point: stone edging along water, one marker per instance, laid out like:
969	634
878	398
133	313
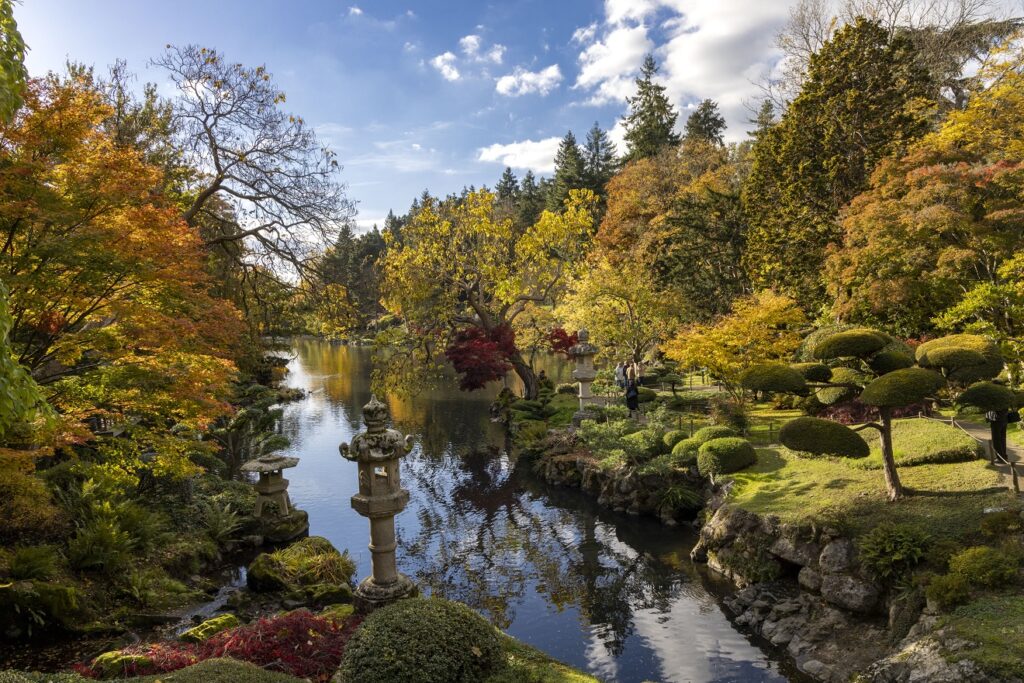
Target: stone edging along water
801	588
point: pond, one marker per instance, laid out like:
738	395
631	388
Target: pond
610	594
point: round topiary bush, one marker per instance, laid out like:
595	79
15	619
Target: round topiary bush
422	640
831	395
859	342
885	362
646	395
964	357
725	455
705	434
684	453
988	396
902	388
773	377
674	436
813	372
822	437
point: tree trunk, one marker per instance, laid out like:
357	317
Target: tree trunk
526	374
892	478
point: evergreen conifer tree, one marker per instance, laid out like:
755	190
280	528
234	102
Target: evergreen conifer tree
650	123
706	123
570	172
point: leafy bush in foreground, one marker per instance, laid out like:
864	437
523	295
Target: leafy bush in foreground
891	551
725	455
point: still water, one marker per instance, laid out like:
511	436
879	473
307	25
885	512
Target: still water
613	595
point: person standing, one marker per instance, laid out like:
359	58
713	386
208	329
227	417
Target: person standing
620	375
632	394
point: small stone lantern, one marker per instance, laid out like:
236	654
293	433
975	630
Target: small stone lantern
583	352
377	451
272	487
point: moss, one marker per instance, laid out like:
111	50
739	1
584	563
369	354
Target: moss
859	342
832	395
902	388
773	377
724	456
426	640
813	372
830	490
210	627
988	396
311	566
525	664
339	614
991	632
822	437
116	663
984	566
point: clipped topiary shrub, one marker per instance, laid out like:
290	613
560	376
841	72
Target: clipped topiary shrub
674	436
831	395
859	342
902	387
822	437
725	455
984	566
773	377
684	453
705	434
422	640
965	358
813	372
885	362
646	395
988	396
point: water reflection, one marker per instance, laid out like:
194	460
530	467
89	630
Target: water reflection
611	594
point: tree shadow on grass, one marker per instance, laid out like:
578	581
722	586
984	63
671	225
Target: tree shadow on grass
923	493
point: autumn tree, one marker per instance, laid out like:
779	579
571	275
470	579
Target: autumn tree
651	120
281	183
760	328
12	62
930	242
865	98
458	267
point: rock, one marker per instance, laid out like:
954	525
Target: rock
117	664
803	554
311	569
849	592
809	580
837	557
210	627
922	661
339	614
816	668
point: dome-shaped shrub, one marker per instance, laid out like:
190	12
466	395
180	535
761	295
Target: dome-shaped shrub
822	437
684	453
422	641
644	444
725	455
773	377
902	388
964	357
813	372
705	434
885	362
859	342
646	395
988	396
831	395
673	436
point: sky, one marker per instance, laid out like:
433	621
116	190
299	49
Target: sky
418	95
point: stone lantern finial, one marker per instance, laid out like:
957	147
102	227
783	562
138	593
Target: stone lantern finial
377	452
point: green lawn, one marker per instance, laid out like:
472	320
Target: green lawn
993	627
919	442
950	504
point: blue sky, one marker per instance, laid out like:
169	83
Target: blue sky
438	95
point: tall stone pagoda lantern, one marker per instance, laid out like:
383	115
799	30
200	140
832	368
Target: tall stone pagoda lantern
583	353
377	452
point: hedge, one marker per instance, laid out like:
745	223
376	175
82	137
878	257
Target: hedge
725	455
902	388
822	437
422	640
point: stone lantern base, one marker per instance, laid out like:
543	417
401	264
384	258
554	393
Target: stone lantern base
588	412
370	595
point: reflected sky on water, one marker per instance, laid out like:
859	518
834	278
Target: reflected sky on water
614	595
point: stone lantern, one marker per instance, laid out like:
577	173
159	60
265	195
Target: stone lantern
272	487
377	452
583	353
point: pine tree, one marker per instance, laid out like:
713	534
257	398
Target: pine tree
651	120
706	123
507	187
764	120
570	172
531	201
599	160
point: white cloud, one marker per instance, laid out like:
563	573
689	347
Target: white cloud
619	11
354	11
496	54
445	64
584	34
523	82
608	66
470	45
536	155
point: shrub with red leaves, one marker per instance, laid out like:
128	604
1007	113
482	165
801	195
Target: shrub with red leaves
561	341
480	356
297	643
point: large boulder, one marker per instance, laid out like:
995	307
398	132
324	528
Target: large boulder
849	593
838	556
311	569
